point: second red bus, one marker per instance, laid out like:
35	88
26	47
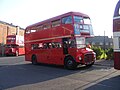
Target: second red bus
14	45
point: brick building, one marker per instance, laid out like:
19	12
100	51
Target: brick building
9	29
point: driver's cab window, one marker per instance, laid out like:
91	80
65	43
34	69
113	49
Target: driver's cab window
72	43
80	42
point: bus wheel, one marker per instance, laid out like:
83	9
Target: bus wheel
17	54
70	63
34	60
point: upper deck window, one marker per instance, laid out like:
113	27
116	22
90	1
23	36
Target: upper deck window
40	27
67	20
27	31
78	19
56	23
46	26
33	30
87	20
10	38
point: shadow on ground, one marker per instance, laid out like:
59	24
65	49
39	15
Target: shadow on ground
24	74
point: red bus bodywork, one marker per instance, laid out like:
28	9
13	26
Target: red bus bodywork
14	45
116	36
60	40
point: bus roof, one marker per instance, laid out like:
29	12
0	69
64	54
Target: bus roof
58	17
116	12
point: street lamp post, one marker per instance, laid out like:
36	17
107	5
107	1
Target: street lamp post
104	45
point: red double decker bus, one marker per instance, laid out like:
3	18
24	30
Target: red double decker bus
116	36
14	45
60	40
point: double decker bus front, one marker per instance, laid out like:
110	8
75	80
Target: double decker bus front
85	55
82	30
11	39
12	47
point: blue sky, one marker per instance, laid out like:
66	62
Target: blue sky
27	12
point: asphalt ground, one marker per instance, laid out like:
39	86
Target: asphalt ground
17	74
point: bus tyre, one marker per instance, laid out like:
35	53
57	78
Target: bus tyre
70	63
34	60
17	54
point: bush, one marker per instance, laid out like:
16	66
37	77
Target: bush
99	52
109	54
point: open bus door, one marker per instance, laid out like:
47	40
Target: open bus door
65	45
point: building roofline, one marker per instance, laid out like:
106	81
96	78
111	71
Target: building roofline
10	24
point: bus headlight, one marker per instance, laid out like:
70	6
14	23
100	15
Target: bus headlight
80	58
94	56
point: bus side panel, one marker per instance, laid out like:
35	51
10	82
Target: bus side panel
21	51
65	29
72	52
43	56
27	52
116	25
42	34
117	60
49	33
57	56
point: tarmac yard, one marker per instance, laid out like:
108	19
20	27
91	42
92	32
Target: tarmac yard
17	74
